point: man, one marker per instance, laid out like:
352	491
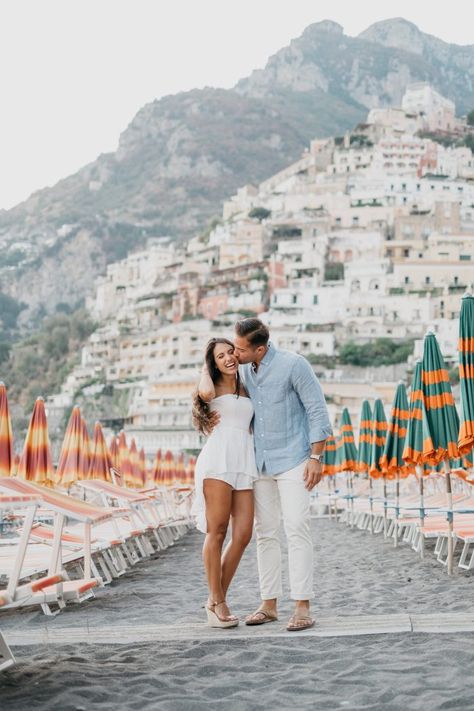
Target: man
291	425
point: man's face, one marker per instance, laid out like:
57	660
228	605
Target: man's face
244	351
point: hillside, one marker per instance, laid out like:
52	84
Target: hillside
182	154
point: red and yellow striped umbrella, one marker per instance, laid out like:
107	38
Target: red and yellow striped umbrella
168	468
330	457
72	458
466	374
377	442
441	414
157	469
180	469
101	461
86	448
35	462
365	437
190	471
124	461
392	462
6	435
142	465
116	475
346	449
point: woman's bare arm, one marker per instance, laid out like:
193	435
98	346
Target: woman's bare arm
206	387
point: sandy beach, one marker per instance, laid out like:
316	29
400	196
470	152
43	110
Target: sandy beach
188	666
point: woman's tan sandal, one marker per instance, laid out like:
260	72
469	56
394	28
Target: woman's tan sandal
260	618
215	620
297	623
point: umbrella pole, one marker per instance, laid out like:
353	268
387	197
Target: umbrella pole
419	472
371	502
351	479
449	496
397	509
385	507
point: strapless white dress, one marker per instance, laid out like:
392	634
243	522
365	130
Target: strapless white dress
228	454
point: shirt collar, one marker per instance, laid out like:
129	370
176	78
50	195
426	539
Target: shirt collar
267	358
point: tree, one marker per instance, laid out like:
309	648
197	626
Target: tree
470	118
260	213
382	351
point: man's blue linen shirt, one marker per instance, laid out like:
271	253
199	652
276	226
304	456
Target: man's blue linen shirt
290	410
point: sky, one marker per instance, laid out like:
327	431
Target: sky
73	73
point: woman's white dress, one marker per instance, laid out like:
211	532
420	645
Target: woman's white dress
228	454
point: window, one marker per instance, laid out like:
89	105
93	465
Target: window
315	299
406	252
427	280
407	280
465	257
456	280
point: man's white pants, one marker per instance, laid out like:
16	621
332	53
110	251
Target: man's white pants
284	496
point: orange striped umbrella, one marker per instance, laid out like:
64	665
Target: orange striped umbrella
136	480
168	468
72	458
466	374
142	465
35	462
101	461
124	460
87	449
180	469
6	435
157	469
115	458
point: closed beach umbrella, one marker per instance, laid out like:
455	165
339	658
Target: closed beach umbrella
391	462
157	469
115	459
6	435
417	438
346	454
365	437
442	419
329	457
168	468
136	479
125	467
142	465
180	469
190	471
101	461
72	458
377	442
86	448
466	374
35	462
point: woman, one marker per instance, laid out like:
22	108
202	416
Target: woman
224	474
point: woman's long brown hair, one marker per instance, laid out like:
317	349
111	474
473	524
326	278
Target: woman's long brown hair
201	412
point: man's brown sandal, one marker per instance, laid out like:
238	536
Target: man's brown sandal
293	625
264	617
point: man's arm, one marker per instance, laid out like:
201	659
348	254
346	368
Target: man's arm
310	393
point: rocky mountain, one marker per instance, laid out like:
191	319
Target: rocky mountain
182	154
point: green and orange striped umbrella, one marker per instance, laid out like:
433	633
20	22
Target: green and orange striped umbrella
391	461
125	466
101	461
466	374
441	414
330	457
377	441
72	458
365	437
418	439
35	462
6	435
345	444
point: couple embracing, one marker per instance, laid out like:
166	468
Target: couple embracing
267	421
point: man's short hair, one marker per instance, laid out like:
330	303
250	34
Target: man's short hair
253	330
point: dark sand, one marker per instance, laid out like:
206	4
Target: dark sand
356	574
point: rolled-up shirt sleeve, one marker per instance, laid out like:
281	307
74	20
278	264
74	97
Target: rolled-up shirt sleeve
309	391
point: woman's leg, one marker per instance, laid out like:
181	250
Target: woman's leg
242	524
218	498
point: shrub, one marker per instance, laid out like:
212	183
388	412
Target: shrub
382	351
